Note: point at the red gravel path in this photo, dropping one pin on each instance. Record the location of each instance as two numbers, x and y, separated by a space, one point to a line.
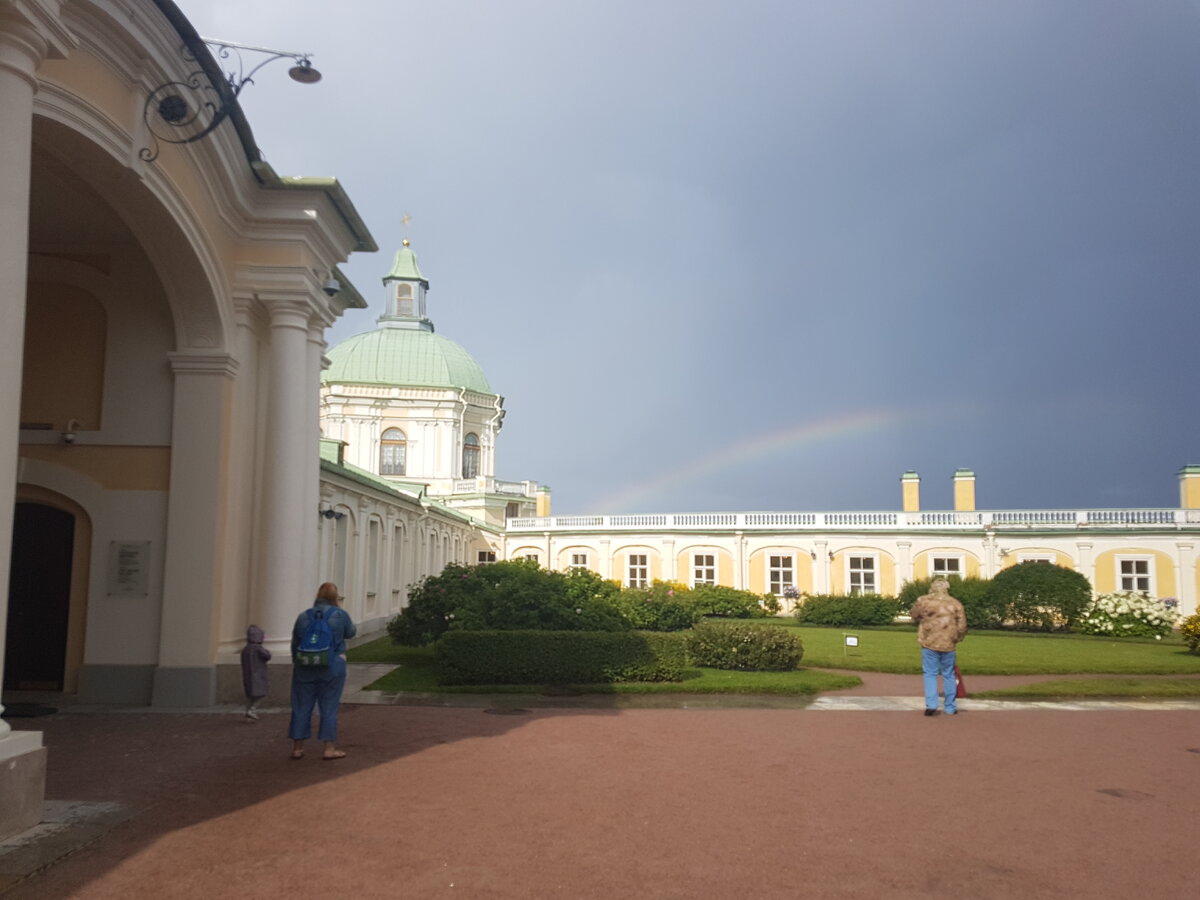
605 803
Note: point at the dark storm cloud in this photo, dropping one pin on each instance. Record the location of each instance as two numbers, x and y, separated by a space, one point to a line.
667 230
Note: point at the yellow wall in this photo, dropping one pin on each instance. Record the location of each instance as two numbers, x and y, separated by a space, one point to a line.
885 576
1060 559
722 558
964 494
113 468
1189 490
564 557
921 562
621 563
1164 571
63 368
802 571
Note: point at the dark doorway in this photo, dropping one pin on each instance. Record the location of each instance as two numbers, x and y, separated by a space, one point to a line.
39 598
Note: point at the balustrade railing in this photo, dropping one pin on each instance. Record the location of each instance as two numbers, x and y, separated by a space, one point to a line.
933 520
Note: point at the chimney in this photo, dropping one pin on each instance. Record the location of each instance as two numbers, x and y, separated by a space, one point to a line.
543 500
964 490
910 491
1189 487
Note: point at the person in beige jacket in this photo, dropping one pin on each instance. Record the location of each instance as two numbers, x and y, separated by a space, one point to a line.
941 624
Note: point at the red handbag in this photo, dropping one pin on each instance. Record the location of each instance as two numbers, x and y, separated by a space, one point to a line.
961 690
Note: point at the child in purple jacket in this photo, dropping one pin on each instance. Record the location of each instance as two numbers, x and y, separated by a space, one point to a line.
255 679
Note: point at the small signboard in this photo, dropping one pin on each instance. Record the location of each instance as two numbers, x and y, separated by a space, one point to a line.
849 644
129 568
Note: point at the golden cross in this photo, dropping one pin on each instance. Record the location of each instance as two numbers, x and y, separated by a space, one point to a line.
404 220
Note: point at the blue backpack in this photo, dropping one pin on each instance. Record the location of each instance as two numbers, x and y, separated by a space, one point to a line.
317 643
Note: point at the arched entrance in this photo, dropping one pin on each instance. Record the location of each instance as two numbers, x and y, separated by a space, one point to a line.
39 598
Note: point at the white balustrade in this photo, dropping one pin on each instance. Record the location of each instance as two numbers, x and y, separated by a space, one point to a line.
932 520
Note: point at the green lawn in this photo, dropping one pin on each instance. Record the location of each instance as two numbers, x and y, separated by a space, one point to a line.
1099 689
880 649
893 648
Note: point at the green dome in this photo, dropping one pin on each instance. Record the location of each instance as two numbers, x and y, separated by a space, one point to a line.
404 356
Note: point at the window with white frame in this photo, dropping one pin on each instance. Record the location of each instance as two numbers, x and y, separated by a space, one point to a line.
704 569
579 561
470 457
531 556
1134 573
393 452
942 565
780 573
861 574
637 570
486 556
1046 558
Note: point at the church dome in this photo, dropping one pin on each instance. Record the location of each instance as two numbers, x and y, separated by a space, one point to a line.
404 357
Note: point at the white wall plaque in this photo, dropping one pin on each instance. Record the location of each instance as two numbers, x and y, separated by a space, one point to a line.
129 568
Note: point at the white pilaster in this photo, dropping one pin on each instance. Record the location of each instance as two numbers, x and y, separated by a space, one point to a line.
288 517
29 33
196 520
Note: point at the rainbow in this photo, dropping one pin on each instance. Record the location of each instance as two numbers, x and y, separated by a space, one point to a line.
756 447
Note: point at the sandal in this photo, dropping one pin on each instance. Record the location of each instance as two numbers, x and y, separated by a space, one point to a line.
336 754
297 754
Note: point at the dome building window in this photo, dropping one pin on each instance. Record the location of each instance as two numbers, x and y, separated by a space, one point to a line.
470 462
393 452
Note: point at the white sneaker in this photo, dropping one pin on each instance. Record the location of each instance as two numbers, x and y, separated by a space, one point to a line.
251 715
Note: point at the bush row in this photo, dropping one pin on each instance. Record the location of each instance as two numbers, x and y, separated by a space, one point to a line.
559 657
1028 597
520 595
597 657
846 610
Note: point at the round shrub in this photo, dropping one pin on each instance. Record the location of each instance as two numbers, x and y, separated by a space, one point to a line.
1035 596
1190 629
1127 614
740 645
506 596
846 610
971 592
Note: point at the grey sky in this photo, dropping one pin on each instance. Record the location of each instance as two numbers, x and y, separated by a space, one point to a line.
768 255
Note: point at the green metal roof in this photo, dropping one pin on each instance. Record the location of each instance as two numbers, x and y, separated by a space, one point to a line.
405 267
405 357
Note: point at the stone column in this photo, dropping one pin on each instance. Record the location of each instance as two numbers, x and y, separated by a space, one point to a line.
29 33
288 519
312 487
196 520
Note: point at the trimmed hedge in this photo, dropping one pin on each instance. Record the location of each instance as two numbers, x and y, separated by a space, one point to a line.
973 593
846 609
740 645
559 657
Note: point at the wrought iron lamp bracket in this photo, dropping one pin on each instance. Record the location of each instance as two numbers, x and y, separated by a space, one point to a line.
182 112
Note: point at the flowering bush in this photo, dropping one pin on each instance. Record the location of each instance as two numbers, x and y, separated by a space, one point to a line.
1190 629
1127 614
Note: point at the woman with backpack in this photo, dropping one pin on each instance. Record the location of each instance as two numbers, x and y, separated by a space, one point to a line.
319 670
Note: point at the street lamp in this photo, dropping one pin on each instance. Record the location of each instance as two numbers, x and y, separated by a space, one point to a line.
181 112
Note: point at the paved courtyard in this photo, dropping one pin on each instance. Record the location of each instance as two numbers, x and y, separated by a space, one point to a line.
608 802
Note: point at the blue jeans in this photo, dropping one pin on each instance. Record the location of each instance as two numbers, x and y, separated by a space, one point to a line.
934 663
321 688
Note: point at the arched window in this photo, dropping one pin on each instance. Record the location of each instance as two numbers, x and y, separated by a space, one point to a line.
404 300
393 452
470 456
